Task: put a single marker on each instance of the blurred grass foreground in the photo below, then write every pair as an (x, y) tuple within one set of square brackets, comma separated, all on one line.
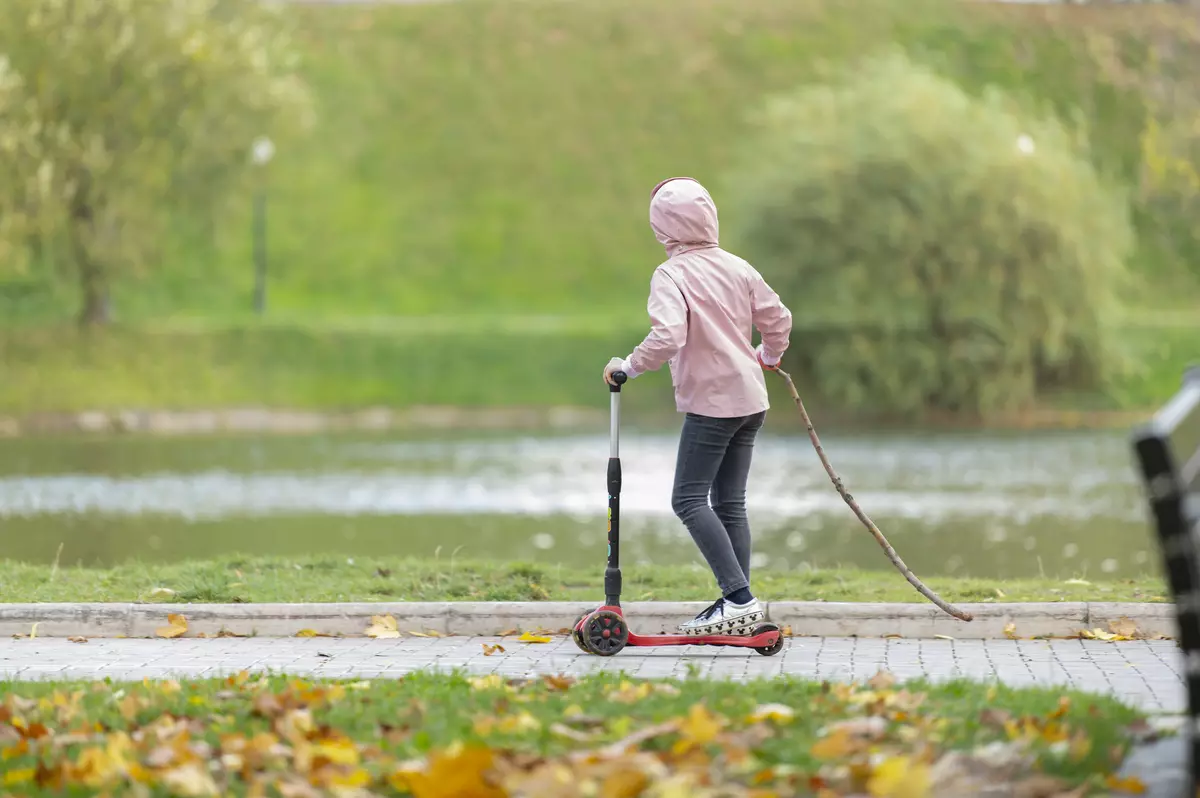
[(976, 210)]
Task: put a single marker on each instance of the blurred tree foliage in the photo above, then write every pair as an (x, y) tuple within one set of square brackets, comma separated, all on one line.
[(1156, 56), (966, 251), (112, 111)]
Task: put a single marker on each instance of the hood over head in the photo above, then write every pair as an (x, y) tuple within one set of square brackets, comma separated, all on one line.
[(683, 216)]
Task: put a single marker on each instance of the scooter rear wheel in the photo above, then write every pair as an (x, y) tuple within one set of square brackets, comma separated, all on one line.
[(577, 635), (605, 633), (773, 648)]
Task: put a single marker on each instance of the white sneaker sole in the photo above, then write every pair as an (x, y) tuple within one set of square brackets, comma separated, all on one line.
[(738, 625)]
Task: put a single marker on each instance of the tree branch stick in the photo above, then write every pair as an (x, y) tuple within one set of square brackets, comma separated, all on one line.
[(950, 609)]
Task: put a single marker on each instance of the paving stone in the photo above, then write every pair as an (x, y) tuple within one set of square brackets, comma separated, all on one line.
[(1145, 672)]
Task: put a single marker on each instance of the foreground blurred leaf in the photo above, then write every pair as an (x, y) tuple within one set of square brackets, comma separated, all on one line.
[(458, 772), (1128, 784), (700, 727), (899, 777)]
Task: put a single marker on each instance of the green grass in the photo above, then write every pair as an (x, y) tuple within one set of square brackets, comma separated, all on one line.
[(491, 158), (466, 225), (516, 361), (325, 578), (443, 735)]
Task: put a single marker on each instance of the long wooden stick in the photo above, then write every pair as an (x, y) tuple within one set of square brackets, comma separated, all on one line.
[(866, 521)]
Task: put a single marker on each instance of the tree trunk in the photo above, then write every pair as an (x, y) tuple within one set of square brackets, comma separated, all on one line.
[(97, 305)]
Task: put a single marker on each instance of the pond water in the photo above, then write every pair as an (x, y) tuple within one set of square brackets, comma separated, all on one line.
[(1062, 504)]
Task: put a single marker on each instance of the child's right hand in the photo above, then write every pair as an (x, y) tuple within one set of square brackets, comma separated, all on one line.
[(764, 361)]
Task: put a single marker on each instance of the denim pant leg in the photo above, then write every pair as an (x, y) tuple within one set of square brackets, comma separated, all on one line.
[(729, 488), (702, 447)]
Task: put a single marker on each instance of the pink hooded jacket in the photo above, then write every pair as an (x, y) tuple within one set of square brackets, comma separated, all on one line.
[(703, 302)]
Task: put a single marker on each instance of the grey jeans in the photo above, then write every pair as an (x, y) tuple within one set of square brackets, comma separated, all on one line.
[(714, 458)]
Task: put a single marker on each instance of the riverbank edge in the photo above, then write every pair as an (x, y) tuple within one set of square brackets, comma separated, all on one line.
[(282, 421), (465, 618)]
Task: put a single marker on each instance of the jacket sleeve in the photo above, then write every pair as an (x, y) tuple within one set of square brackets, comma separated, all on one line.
[(771, 317), (668, 327)]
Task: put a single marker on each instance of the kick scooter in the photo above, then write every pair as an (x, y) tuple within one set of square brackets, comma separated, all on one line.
[(603, 631)]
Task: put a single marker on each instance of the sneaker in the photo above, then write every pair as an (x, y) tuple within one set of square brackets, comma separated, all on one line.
[(723, 617)]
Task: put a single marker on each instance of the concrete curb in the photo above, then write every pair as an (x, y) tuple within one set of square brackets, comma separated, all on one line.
[(810, 619)]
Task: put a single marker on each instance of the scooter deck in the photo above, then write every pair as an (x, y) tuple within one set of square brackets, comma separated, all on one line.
[(761, 640), (745, 641)]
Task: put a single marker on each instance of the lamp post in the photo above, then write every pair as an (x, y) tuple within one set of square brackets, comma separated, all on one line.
[(261, 154)]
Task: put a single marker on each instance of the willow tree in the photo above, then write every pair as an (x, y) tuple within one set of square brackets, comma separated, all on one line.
[(962, 253), (112, 112)]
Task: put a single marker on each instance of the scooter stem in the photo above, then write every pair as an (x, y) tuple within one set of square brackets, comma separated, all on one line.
[(612, 572)]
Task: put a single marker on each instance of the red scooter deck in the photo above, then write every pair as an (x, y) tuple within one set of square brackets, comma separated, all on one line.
[(767, 640)]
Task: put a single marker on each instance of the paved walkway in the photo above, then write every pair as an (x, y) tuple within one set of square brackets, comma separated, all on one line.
[(1146, 673)]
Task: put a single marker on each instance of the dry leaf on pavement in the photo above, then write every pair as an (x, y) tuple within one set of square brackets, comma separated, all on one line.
[(177, 626), (490, 650), (383, 627), (1124, 627), (528, 637)]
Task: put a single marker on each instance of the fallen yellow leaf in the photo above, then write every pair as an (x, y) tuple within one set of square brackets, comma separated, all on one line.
[(627, 692), (177, 626), (779, 713), (509, 724), (383, 627), (307, 633), (191, 780), (1100, 634), (1129, 784), (489, 682), (700, 727), (490, 650), (21, 776), (835, 745), (454, 772), (899, 777), (1010, 631), (77, 639), (529, 637)]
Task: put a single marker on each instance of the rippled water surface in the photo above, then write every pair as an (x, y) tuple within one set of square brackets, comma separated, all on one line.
[(1004, 505)]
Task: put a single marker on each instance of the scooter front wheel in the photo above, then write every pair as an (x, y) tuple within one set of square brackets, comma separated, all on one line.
[(605, 633)]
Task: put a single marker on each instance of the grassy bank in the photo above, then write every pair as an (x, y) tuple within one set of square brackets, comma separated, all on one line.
[(443, 735), (485, 157), (323, 579), (466, 225), (479, 362)]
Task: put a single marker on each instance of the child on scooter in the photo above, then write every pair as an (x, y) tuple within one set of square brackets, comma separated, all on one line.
[(703, 303)]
